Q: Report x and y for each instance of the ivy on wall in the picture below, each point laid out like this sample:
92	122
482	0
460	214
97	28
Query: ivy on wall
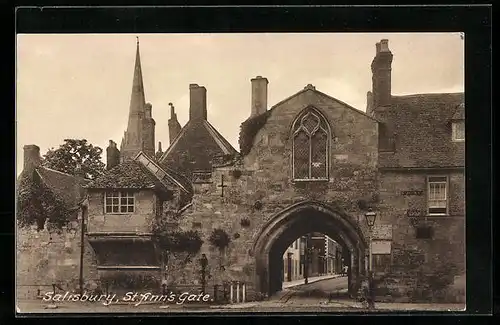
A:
248	131
219	238
37	205
172	239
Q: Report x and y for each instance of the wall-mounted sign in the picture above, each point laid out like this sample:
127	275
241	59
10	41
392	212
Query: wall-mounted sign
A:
414	213
381	246
413	192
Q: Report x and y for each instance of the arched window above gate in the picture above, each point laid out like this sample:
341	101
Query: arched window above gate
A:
311	143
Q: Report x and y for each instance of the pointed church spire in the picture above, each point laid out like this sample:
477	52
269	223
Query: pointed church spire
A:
134	138
137	99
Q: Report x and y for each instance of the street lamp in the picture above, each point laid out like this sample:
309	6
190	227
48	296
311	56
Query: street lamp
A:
370	217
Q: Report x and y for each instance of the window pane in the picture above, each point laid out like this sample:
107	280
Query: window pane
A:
130	208
130	201
115	201
108	201
123	201
152	168
115	208
301	155
310	122
319	155
123	208
160	174
108	209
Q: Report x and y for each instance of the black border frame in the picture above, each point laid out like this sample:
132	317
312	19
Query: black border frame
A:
474	20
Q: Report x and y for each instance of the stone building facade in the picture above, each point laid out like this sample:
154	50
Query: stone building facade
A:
310	163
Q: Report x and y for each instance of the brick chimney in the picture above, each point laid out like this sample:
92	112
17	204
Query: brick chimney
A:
197	102
32	157
259	95
381	79
174	126
112	155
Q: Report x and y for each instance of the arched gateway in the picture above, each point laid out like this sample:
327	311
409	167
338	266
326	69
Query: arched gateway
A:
298	220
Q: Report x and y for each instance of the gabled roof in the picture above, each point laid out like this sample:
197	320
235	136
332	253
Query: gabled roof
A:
68	187
197	144
251	126
142	172
129	174
313	89
423	131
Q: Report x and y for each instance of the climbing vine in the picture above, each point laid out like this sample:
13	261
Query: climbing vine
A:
219	238
249	130
173	240
37	205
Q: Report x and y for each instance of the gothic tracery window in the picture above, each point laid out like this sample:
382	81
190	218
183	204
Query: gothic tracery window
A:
310	147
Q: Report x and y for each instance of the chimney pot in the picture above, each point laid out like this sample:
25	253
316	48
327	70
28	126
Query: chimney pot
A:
259	95
32	157
384	45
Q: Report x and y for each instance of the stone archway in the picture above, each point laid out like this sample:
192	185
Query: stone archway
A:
295	221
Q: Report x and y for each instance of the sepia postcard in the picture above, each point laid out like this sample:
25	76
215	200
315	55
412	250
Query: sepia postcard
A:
256	172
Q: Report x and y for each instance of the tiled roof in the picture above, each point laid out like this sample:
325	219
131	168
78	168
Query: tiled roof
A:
68	187
422	125
196	147
128	174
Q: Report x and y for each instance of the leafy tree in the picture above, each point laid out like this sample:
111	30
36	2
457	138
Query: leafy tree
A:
36	205
75	154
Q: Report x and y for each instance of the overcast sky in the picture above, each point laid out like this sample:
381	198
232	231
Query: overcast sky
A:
79	86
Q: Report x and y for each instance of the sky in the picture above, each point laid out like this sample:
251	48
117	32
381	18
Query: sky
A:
79	85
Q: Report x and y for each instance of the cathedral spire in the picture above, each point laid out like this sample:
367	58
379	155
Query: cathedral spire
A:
137	99
134	138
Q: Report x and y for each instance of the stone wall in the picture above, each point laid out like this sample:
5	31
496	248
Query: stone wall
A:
139	221
44	258
265	186
412	257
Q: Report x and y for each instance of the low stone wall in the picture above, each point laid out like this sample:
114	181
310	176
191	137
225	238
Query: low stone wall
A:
45	258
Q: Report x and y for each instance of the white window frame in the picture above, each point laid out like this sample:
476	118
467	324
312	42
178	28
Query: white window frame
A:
454	131
301	128
111	195
430	199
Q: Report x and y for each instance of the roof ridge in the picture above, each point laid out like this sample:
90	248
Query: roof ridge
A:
174	142
157	165
63	173
219	138
428	94
323	94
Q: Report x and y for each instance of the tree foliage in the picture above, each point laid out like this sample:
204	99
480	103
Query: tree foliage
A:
74	154
37	205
